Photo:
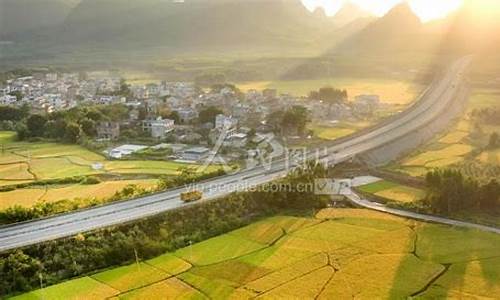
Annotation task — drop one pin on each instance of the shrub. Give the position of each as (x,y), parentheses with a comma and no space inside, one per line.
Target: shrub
(90,180)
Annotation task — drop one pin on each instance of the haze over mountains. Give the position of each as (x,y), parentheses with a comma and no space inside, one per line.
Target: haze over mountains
(174,25)
(18,16)
(34,28)
(349,13)
(400,29)
(193,23)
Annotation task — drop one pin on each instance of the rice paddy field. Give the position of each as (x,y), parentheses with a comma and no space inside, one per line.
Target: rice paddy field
(27,197)
(330,132)
(463,146)
(338,254)
(23,162)
(393,192)
(391,91)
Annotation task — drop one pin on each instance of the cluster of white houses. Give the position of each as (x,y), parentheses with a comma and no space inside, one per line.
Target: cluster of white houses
(48,92)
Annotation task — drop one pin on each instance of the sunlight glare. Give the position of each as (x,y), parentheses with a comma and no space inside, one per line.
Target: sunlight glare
(427,10)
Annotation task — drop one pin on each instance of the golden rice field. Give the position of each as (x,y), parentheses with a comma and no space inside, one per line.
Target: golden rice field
(439,157)
(452,149)
(435,156)
(390,90)
(338,254)
(454,137)
(29,196)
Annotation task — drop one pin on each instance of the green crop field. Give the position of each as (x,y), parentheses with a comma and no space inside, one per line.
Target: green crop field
(82,288)
(53,160)
(332,132)
(22,162)
(338,254)
(393,191)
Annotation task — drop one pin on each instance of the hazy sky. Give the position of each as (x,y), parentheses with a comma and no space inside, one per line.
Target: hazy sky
(426,9)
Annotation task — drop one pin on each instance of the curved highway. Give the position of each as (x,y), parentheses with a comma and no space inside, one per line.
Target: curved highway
(431,104)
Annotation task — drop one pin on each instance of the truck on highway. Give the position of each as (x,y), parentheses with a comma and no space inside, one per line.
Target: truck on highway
(191,196)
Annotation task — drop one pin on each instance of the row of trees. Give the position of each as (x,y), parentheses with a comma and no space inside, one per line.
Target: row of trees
(10,113)
(62,259)
(70,125)
(329,94)
(449,191)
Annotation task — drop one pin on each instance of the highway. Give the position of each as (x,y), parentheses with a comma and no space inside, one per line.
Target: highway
(441,93)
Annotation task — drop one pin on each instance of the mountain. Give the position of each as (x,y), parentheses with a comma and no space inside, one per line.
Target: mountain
(189,24)
(399,29)
(19,16)
(350,13)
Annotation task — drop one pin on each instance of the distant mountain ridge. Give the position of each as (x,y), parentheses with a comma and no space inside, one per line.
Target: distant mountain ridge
(169,27)
(191,23)
(18,16)
(399,28)
(470,29)
(179,25)
(348,13)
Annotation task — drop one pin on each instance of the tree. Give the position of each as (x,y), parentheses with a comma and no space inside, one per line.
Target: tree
(56,129)
(274,120)
(36,125)
(489,198)
(95,115)
(9,113)
(72,133)
(208,115)
(22,131)
(217,88)
(115,112)
(449,191)
(124,89)
(88,127)
(174,115)
(19,267)
(18,94)
(329,94)
(295,119)
(314,95)
(494,141)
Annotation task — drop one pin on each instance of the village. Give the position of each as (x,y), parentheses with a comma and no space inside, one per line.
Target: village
(184,122)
